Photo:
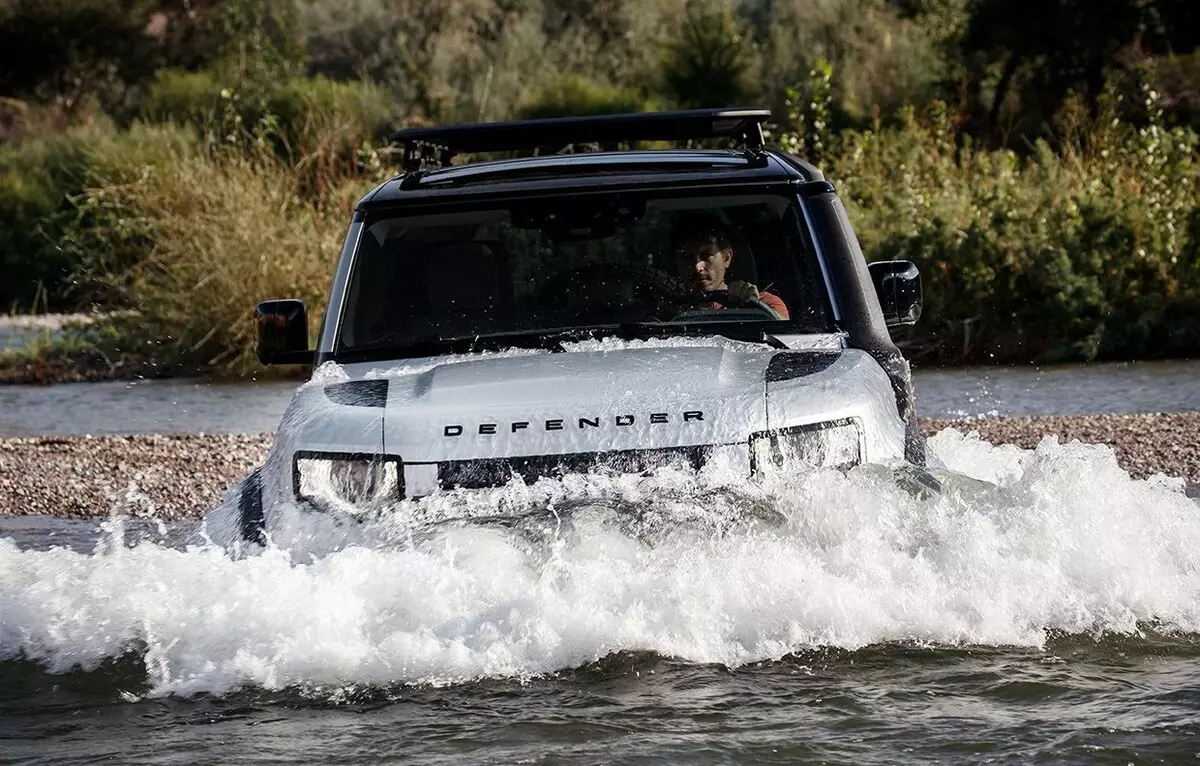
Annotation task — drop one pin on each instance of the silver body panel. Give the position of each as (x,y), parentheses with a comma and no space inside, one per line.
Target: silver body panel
(596,397)
(599,396)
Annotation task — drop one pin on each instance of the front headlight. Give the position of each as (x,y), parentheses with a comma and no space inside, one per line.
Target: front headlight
(832,444)
(348,482)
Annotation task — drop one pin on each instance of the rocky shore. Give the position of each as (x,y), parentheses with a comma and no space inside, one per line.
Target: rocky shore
(180,476)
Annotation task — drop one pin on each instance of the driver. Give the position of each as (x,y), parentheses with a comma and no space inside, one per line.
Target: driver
(703,251)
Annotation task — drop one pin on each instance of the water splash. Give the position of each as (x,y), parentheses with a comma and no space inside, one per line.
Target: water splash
(1020,545)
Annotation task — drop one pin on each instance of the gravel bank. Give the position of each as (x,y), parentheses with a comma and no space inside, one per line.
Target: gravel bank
(84,476)
(181,475)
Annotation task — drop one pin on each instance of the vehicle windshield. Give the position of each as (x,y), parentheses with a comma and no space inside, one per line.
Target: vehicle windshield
(508,273)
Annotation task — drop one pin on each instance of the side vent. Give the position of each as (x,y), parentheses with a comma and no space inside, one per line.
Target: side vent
(359,393)
(797,364)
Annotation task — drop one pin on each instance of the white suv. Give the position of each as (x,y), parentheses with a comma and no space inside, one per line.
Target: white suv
(617,310)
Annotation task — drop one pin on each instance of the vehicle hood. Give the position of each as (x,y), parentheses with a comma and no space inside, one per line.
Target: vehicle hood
(598,400)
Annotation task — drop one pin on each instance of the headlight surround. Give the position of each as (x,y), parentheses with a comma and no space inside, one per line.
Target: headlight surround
(350,482)
(828,444)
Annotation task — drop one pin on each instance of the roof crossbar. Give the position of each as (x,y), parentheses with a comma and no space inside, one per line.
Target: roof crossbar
(436,146)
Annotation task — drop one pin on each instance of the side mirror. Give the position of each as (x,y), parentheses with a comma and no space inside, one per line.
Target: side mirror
(282,328)
(898,285)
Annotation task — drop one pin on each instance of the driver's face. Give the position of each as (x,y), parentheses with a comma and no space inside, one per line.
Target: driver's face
(702,265)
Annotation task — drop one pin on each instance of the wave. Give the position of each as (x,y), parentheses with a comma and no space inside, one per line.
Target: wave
(1020,547)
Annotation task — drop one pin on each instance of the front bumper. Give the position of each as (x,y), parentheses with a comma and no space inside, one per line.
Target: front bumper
(826,444)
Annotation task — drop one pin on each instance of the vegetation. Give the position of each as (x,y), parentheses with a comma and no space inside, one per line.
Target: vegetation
(185,159)
(1084,248)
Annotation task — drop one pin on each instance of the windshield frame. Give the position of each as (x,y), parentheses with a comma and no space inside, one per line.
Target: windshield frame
(764,331)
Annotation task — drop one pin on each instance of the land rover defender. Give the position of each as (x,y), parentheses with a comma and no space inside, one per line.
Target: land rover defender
(600,302)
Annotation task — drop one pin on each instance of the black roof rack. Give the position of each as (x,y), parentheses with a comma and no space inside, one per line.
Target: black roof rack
(435,146)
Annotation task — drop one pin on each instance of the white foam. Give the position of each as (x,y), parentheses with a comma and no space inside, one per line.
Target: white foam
(1053,539)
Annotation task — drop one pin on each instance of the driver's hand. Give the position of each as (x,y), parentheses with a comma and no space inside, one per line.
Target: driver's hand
(742,292)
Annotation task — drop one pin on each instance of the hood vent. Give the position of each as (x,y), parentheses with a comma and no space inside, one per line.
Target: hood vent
(359,393)
(798,364)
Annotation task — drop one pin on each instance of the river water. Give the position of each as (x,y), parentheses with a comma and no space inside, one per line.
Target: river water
(1043,607)
(192,406)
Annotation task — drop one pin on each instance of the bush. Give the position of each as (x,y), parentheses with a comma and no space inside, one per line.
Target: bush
(1084,251)
(443,61)
(571,95)
(70,52)
(460,61)
(708,62)
(44,225)
(70,248)
(183,97)
(220,235)
(300,116)
(881,57)
(316,115)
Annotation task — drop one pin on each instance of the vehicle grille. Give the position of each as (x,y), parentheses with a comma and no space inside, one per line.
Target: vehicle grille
(475,474)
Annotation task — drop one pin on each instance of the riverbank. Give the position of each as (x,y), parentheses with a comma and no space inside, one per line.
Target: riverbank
(181,475)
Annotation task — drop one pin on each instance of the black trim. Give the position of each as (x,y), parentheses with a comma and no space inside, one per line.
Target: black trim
(823,425)
(250,509)
(813,188)
(806,168)
(614,164)
(436,146)
(787,365)
(282,330)
(593,179)
(482,473)
(368,456)
(358,393)
(862,316)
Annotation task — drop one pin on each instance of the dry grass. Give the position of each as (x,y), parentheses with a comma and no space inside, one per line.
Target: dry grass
(226,234)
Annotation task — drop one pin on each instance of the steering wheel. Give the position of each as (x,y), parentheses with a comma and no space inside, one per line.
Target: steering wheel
(722,297)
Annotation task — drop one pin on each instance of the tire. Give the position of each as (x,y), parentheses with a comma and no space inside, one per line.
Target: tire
(250,509)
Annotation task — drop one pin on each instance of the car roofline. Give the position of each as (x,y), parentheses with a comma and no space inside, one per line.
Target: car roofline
(595,171)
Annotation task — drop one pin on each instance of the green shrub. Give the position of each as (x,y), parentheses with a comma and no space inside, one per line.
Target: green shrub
(300,115)
(883,54)
(1084,251)
(220,235)
(570,95)
(314,113)
(709,60)
(44,226)
(183,97)
(322,126)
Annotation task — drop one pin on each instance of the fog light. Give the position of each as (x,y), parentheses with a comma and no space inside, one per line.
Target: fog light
(832,444)
(348,482)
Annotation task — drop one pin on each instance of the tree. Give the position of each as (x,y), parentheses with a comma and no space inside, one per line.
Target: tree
(708,61)
(60,50)
(1048,48)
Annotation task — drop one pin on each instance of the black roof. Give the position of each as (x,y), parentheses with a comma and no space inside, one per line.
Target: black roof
(594,171)
(429,173)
